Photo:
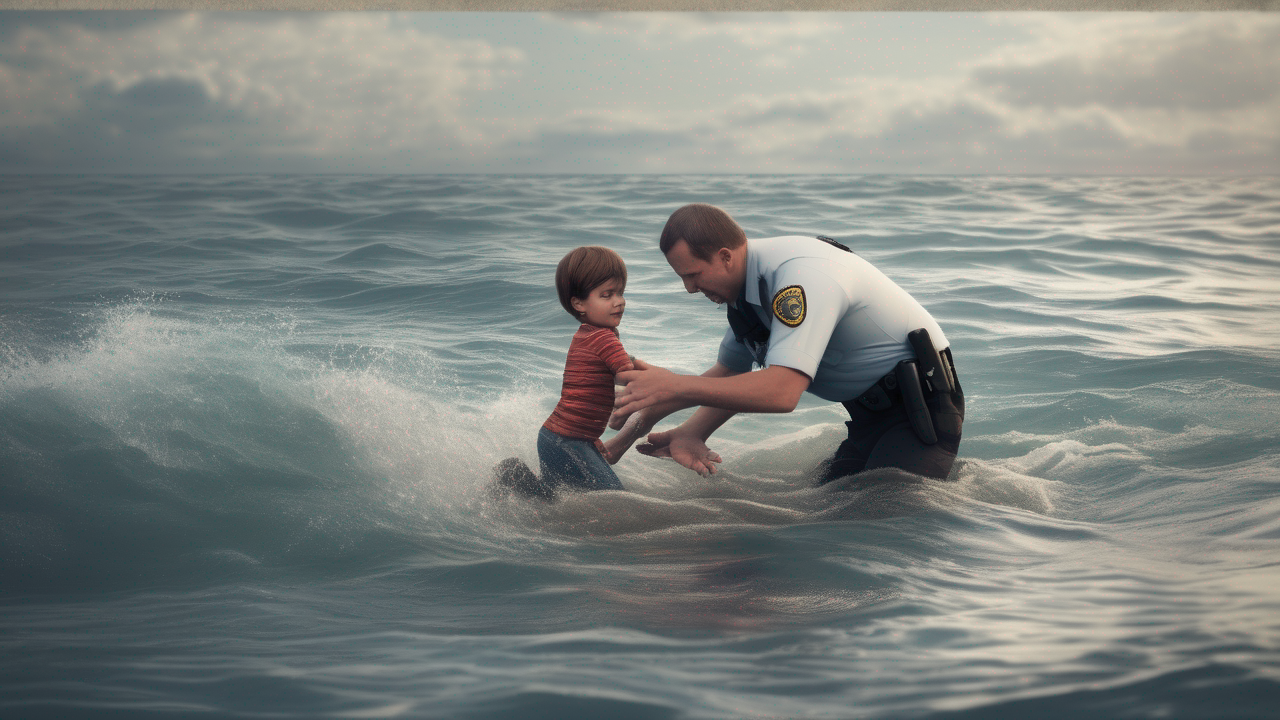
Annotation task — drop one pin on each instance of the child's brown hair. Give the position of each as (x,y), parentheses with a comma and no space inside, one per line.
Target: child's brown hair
(584,269)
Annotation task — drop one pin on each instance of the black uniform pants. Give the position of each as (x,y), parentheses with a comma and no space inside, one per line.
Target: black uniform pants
(884,438)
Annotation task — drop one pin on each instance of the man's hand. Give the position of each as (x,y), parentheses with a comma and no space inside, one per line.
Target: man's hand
(646,386)
(618,419)
(688,450)
(776,388)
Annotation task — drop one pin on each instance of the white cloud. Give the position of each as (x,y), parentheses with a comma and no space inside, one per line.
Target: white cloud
(754,30)
(1209,62)
(1143,95)
(1155,81)
(770,39)
(1112,92)
(294,85)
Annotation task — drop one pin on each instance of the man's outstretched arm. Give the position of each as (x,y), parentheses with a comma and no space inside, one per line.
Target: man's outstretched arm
(658,411)
(775,389)
(685,444)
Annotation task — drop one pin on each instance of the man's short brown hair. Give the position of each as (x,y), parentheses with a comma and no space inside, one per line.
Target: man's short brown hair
(704,228)
(584,269)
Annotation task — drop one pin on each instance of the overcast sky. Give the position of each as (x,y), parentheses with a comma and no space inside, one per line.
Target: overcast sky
(1105,93)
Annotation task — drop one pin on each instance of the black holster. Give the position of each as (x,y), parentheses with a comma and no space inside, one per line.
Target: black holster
(930,375)
(908,376)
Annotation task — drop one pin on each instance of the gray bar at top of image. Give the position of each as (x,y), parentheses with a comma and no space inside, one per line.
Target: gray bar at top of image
(656,5)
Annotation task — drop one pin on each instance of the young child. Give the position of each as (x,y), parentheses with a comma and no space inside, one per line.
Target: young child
(590,281)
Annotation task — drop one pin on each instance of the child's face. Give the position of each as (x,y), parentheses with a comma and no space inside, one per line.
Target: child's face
(603,306)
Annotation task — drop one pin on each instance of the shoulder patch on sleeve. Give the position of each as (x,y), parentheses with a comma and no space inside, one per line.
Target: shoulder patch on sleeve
(788,305)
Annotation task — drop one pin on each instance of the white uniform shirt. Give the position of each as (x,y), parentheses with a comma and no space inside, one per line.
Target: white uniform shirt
(855,323)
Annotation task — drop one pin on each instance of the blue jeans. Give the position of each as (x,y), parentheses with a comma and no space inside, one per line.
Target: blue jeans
(574,462)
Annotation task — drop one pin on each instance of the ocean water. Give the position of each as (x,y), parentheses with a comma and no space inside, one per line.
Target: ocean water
(247,425)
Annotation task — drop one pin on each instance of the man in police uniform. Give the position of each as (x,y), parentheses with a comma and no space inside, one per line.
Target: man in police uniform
(815,317)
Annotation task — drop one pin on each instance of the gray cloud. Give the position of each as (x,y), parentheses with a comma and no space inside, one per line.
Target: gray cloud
(13,21)
(806,112)
(572,151)
(155,125)
(371,92)
(958,123)
(162,93)
(1219,68)
(202,93)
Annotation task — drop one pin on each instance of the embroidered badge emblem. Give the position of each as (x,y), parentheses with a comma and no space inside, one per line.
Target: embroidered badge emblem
(788,305)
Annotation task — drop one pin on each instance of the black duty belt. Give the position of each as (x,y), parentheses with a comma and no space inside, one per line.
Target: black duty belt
(911,381)
(884,392)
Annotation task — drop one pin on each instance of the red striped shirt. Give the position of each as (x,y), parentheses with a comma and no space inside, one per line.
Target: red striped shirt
(586,397)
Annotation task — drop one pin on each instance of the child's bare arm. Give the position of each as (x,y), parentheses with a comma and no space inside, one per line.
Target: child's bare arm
(637,427)
(632,430)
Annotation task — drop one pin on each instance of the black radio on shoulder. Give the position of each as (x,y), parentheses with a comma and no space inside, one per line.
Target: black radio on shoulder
(833,243)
